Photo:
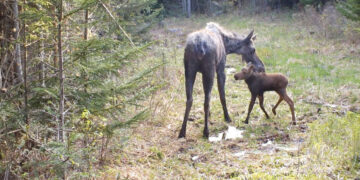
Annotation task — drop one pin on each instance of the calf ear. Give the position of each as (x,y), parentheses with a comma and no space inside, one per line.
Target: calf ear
(251,68)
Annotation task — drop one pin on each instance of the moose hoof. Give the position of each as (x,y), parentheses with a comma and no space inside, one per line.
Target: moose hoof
(246,121)
(206,134)
(228,120)
(274,111)
(181,135)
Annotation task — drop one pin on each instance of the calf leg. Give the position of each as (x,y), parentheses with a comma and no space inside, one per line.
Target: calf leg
(277,104)
(291,104)
(261,102)
(189,83)
(251,105)
(221,77)
(208,81)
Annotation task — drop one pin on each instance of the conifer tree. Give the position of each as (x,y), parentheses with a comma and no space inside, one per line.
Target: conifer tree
(350,9)
(93,93)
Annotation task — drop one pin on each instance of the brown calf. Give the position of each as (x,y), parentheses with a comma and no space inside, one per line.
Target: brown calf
(258,83)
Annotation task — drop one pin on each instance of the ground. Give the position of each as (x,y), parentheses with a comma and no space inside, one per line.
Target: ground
(324,82)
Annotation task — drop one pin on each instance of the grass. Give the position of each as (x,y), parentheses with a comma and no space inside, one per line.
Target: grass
(324,81)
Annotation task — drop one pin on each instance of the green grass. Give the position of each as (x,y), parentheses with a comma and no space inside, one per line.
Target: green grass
(324,79)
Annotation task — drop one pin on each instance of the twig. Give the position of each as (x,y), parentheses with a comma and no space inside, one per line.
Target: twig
(326,104)
(14,131)
(108,11)
(280,135)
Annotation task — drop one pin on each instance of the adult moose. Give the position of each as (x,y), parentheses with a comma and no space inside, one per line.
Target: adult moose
(205,52)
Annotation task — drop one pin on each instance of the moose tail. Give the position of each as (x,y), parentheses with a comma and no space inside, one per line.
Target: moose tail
(200,50)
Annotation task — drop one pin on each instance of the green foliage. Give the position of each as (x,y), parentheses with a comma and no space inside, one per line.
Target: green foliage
(350,9)
(337,141)
(106,88)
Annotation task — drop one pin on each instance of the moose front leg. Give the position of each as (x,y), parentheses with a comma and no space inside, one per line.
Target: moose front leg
(251,105)
(221,77)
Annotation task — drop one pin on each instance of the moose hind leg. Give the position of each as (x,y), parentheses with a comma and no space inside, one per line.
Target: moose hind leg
(221,77)
(279,101)
(208,81)
(292,109)
(189,84)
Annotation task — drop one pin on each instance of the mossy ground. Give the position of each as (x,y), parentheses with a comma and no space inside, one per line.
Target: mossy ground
(324,83)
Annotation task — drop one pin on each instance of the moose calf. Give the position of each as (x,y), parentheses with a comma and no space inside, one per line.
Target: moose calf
(259,82)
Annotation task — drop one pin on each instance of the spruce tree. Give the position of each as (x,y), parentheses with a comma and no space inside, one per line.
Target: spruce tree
(104,86)
(350,9)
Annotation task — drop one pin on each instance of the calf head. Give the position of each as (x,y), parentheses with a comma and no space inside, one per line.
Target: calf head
(245,73)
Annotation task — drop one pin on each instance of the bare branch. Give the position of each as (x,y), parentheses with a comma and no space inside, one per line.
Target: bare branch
(112,17)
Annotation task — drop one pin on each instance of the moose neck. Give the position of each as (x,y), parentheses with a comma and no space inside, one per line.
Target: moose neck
(230,44)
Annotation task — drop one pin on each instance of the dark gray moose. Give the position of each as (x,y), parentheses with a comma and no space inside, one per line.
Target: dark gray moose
(205,52)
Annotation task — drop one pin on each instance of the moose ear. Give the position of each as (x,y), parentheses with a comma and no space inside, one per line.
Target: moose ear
(249,36)
(254,37)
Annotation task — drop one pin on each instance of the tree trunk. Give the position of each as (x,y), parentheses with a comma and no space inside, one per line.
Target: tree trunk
(184,6)
(61,77)
(42,59)
(209,11)
(55,43)
(188,8)
(25,76)
(86,24)
(0,76)
(17,57)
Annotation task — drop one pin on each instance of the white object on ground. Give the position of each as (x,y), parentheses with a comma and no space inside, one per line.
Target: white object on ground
(267,144)
(230,70)
(233,133)
(216,139)
(241,153)
(195,158)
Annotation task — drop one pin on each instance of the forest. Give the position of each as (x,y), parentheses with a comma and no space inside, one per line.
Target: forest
(96,89)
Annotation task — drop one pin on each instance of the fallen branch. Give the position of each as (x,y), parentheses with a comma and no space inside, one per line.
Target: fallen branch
(326,104)
(283,136)
(14,131)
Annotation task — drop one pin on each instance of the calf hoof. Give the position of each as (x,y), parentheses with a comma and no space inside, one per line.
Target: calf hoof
(274,111)
(293,123)
(267,117)
(246,121)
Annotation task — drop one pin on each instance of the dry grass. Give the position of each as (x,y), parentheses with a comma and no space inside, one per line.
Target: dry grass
(324,81)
